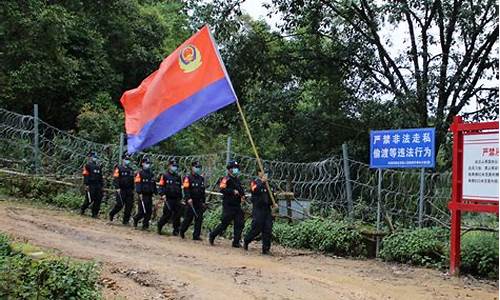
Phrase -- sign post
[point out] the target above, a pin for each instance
(402, 148)
(474, 177)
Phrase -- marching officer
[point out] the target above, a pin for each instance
(262, 219)
(171, 193)
(145, 186)
(233, 196)
(194, 195)
(93, 181)
(123, 181)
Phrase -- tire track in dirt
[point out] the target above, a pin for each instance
(143, 265)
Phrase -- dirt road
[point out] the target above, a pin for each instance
(143, 265)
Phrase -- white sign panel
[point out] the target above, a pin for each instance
(480, 168)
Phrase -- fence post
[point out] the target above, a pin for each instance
(36, 140)
(421, 199)
(347, 174)
(379, 194)
(122, 143)
(228, 149)
(289, 213)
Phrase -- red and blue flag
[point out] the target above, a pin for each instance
(191, 83)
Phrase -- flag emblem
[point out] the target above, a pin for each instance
(189, 59)
(180, 92)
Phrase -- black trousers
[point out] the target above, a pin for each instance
(144, 210)
(231, 214)
(123, 199)
(171, 212)
(189, 215)
(95, 192)
(262, 223)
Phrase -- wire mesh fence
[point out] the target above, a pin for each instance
(318, 188)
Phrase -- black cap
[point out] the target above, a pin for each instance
(172, 162)
(233, 164)
(195, 164)
(145, 160)
(125, 155)
(91, 154)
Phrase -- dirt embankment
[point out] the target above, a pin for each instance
(143, 265)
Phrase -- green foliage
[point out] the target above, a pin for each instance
(425, 247)
(430, 247)
(64, 54)
(31, 188)
(5, 248)
(211, 218)
(42, 191)
(321, 235)
(100, 121)
(315, 234)
(23, 277)
(480, 254)
(68, 200)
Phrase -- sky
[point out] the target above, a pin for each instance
(255, 9)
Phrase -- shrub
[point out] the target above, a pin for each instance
(480, 254)
(5, 248)
(321, 235)
(425, 246)
(69, 200)
(23, 277)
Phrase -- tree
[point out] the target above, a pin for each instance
(448, 59)
(51, 57)
(63, 54)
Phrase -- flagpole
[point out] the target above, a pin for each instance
(259, 162)
(245, 123)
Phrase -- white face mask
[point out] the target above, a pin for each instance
(146, 166)
(126, 162)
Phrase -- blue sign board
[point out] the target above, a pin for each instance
(404, 148)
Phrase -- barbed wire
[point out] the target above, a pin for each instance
(319, 188)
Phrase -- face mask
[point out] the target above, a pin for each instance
(197, 170)
(236, 171)
(146, 166)
(126, 162)
(173, 169)
(93, 158)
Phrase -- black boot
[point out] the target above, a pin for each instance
(211, 239)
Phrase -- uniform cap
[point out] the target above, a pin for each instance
(233, 164)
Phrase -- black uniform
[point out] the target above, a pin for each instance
(194, 188)
(123, 179)
(145, 186)
(231, 209)
(262, 220)
(92, 179)
(170, 187)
